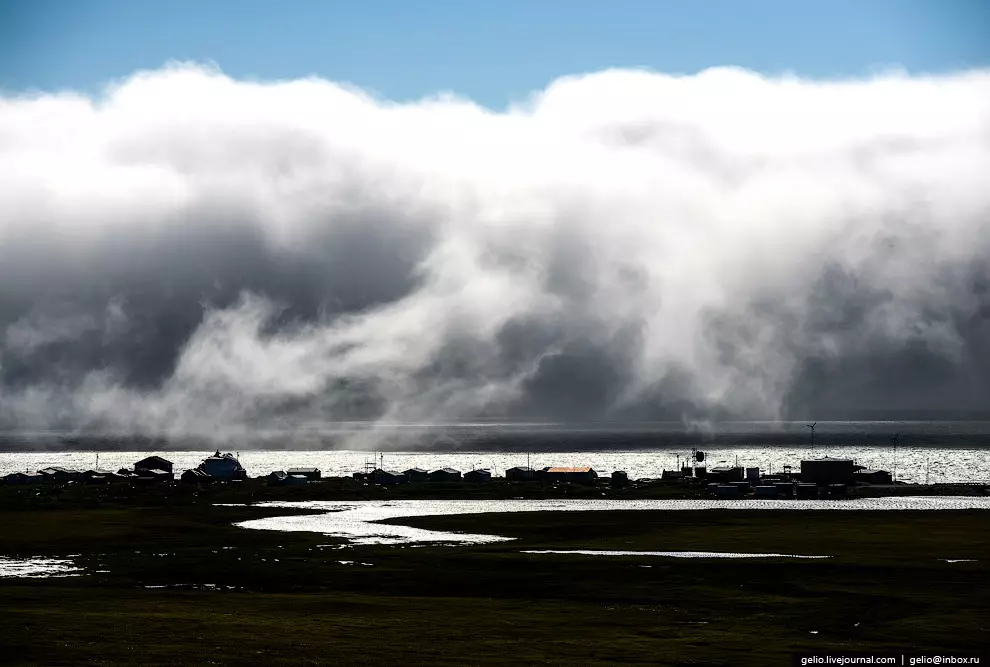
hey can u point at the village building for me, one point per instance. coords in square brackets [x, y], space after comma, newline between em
[311, 474]
[195, 476]
[153, 476]
[416, 475]
[581, 475]
[827, 471]
[223, 467]
[154, 463]
[22, 478]
[727, 491]
[784, 489]
[58, 475]
[725, 474]
[867, 476]
[520, 474]
[387, 477]
[445, 475]
[98, 476]
[479, 476]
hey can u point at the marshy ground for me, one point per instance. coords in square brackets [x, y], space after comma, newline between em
[170, 581]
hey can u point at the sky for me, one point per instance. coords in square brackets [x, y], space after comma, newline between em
[494, 53]
[219, 218]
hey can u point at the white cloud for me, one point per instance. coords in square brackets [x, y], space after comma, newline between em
[719, 229]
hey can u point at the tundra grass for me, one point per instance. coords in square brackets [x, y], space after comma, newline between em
[177, 584]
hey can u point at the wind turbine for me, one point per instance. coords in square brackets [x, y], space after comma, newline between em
[812, 427]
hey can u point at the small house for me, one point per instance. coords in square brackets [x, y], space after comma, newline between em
[581, 475]
[58, 475]
[387, 477]
[311, 474]
[479, 476]
[153, 476]
[154, 463]
[22, 478]
[520, 474]
[445, 475]
[196, 476]
[276, 477]
[725, 474]
[619, 479]
[416, 475]
[867, 476]
[97, 476]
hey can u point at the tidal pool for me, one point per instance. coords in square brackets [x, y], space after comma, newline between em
[358, 521]
[37, 568]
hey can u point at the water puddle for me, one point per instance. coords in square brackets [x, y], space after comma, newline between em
[665, 554]
[38, 568]
[193, 587]
[958, 560]
[359, 521]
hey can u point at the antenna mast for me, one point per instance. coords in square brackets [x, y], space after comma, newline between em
[895, 440]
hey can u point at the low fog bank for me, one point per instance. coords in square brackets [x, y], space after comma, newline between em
[575, 437]
[189, 256]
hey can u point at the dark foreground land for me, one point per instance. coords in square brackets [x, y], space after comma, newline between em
[171, 582]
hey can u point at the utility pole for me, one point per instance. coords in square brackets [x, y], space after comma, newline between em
[895, 440]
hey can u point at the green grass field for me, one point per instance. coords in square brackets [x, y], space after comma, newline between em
[230, 596]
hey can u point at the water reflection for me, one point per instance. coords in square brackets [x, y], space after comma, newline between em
[665, 554]
[357, 521]
[37, 568]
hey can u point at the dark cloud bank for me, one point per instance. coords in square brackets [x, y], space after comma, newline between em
[193, 256]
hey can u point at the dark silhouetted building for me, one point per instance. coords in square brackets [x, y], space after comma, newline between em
[520, 474]
[480, 476]
[445, 475]
[827, 471]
